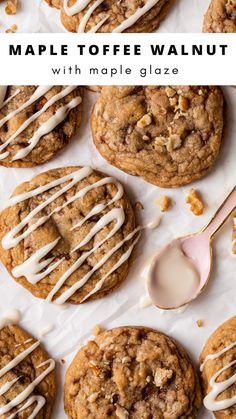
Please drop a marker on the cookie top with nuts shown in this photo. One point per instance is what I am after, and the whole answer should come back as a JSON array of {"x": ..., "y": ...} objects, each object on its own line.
[
  {"x": 112, "y": 16},
  {"x": 169, "y": 135},
  {"x": 220, "y": 17},
  {"x": 132, "y": 372},
  {"x": 36, "y": 122}
]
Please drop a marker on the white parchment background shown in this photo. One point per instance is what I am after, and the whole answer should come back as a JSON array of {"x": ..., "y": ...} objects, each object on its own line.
[
  {"x": 37, "y": 16},
  {"x": 73, "y": 326}
]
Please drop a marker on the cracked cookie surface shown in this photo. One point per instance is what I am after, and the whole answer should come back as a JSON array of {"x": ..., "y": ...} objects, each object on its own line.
[
  {"x": 13, "y": 341},
  {"x": 36, "y": 122},
  {"x": 63, "y": 224},
  {"x": 132, "y": 372},
  {"x": 115, "y": 13},
  {"x": 170, "y": 135},
  {"x": 222, "y": 346},
  {"x": 220, "y": 16}
]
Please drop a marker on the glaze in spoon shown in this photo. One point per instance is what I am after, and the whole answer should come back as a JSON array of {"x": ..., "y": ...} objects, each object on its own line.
[{"x": 181, "y": 270}]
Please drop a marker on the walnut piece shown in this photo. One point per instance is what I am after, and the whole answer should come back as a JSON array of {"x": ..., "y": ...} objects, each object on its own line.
[
  {"x": 170, "y": 91},
  {"x": 183, "y": 103},
  {"x": 174, "y": 141},
  {"x": 121, "y": 412},
  {"x": 199, "y": 323},
  {"x": 12, "y": 29},
  {"x": 161, "y": 376},
  {"x": 97, "y": 330},
  {"x": 11, "y": 7},
  {"x": 144, "y": 121},
  {"x": 163, "y": 202},
  {"x": 196, "y": 204}
]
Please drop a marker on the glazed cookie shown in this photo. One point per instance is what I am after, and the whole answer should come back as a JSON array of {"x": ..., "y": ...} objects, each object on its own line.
[
  {"x": 36, "y": 122},
  {"x": 132, "y": 372},
  {"x": 27, "y": 378},
  {"x": 221, "y": 16},
  {"x": 68, "y": 234},
  {"x": 112, "y": 16},
  {"x": 170, "y": 135},
  {"x": 218, "y": 360}
]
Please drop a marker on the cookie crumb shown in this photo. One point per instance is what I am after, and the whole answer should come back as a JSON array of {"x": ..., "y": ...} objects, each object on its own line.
[
  {"x": 138, "y": 205},
  {"x": 121, "y": 412},
  {"x": 144, "y": 121},
  {"x": 163, "y": 202},
  {"x": 200, "y": 323},
  {"x": 194, "y": 199},
  {"x": 12, "y": 29},
  {"x": 161, "y": 376},
  {"x": 11, "y": 7},
  {"x": 97, "y": 330}
]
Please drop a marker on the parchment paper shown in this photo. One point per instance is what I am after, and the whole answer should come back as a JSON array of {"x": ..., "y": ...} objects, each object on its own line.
[
  {"x": 73, "y": 325},
  {"x": 37, "y": 16}
]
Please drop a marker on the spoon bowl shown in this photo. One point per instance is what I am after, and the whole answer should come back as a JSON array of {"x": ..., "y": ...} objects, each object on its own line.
[{"x": 181, "y": 270}]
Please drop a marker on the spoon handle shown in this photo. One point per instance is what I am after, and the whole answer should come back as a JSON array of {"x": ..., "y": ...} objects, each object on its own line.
[{"x": 221, "y": 215}]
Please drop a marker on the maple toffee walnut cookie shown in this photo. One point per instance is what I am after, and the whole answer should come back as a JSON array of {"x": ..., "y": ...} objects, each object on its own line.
[
  {"x": 68, "y": 235},
  {"x": 131, "y": 372},
  {"x": 220, "y": 16},
  {"x": 36, "y": 122},
  {"x": 27, "y": 377},
  {"x": 170, "y": 135},
  {"x": 112, "y": 16},
  {"x": 218, "y": 360}
]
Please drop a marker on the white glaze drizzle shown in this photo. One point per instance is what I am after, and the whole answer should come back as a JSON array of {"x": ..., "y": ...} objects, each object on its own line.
[
  {"x": 40, "y": 400},
  {"x": 46, "y": 127},
  {"x": 80, "y": 5},
  {"x": 24, "y": 395},
  {"x": 217, "y": 388},
  {"x": 34, "y": 269}
]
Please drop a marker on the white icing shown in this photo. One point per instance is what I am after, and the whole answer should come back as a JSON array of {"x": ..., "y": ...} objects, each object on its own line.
[
  {"x": 16, "y": 361},
  {"x": 80, "y": 5},
  {"x": 35, "y": 268},
  {"x": 24, "y": 395},
  {"x": 46, "y": 127},
  {"x": 47, "y": 329},
  {"x": 12, "y": 316},
  {"x": 40, "y": 402},
  {"x": 8, "y": 385},
  {"x": 217, "y": 387}
]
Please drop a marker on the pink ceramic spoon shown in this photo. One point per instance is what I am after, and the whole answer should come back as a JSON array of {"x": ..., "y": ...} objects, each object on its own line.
[{"x": 198, "y": 249}]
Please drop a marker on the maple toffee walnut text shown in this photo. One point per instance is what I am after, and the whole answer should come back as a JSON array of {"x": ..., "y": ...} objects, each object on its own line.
[{"x": 121, "y": 50}]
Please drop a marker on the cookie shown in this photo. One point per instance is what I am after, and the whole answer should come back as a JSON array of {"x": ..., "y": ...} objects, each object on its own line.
[
  {"x": 218, "y": 361},
  {"x": 36, "y": 122},
  {"x": 68, "y": 234},
  {"x": 27, "y": 377},
  {"x": 220, "y": 16},
  {"x": 169, "y": 135},
  {"x": 112, "y": 16},
  {"x": 132, "y": 372}
]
